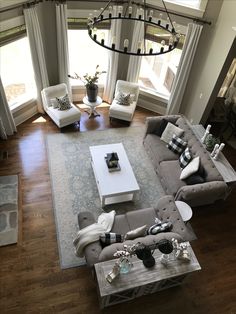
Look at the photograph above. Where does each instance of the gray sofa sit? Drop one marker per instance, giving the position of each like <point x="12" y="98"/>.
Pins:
<point x="167" y="166"/>
<point x="165" y="210"/>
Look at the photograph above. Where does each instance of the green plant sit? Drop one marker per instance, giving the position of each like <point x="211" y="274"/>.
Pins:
<point x="210" y="142"/>
<point x="88" y="80"/>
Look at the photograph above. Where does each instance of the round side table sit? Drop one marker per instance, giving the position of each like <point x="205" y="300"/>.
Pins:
<point x="92" y="105"/>
<point x="185" y="210"/>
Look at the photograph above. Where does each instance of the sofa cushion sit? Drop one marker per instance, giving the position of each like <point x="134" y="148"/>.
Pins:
<point x="170" y="176"/>
<point x="169" y="131"/>
<point x="120" y="224"/>
<point x="158" y="149"/>
<point x="140" y="217"/>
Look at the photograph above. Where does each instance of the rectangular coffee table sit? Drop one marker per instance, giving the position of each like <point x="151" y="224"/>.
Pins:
<point x="117" y="186"/>
<point x="141" y="280"/>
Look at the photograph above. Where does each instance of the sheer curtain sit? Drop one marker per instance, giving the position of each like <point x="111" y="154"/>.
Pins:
<point x="115" y="31"/>
<point x="37" y="52"/>
<point x="186" y="60"/>
<point x="7" y="124"/>
<point x="62" y="44"/>
<point x="135" y="62"/>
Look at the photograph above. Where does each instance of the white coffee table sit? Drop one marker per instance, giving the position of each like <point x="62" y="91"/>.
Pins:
<point x="185" y="210"/>
<point x="113" y="187"/>
<point x="92" y="105"/>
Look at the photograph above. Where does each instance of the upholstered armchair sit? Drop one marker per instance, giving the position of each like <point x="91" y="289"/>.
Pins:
<point x="60" y="117"/>
<point x="121" y="111"/>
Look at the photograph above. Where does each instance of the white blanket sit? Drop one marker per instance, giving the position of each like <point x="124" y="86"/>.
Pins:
<point x="92" y="232"/>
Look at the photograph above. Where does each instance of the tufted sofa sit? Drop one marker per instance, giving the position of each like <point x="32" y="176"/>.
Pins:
<point x="166" y="164"/>
<point x="165" y="210"/>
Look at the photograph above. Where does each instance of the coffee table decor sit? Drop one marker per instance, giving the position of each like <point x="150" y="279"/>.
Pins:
<point x="112" y="161"/>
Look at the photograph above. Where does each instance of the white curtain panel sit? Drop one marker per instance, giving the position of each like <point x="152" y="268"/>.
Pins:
<point x="7" y="124"/>
<point x="37" y="52"/>
<point x="185" y="64"/>
<point x="135" y="61"/>
<point x="62" y="44"/>
<point x="113" y="58"/>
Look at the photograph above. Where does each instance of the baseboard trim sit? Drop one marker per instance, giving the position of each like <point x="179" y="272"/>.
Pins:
<point x="152" y="107"/>
<point x="26" y="115"/>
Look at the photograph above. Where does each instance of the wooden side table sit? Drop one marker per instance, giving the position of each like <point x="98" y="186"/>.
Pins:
<point x="92" y="105"/>
<point x="141" y="280"/>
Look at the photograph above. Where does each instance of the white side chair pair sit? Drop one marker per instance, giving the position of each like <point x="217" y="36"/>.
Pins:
<point x="60" y="117"/>
<point x="120" y="111"/>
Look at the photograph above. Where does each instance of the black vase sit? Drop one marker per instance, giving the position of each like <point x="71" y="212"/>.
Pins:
<point x="92" y="92"/>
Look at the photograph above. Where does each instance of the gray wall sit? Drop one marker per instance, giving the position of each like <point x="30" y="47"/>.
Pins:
<point x="214" y="46"/>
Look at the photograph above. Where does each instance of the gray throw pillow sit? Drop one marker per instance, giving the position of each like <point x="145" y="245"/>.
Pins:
<point x="63" y="102"/>
<point x="169" y="131"/>
<point x="138" y="232"/>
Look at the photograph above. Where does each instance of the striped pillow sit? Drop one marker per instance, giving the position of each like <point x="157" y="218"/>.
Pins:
<point x="177" y="145"/>
<point x="111" y="237"/>
<point x="63" y="102"/>
<point x="185" y="158"/>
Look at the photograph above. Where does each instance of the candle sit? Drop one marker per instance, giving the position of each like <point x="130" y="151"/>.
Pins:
<point x="222" y="145"/>
<point x="150" y="13"/>
<point x="126" y="43"/>
<point x="204" y="136"/>
<point x="139" y="45"/>
<point x="215" y="150"/>
<point x="110" y="11"/>
<point x="208" y="128"/>
<point x="130" y="10"/>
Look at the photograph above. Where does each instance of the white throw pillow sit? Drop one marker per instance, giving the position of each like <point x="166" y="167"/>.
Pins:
<point x="136" y="233"/>
<point x="191" y="168"/>
<point x="54" y="103"/>
<point x="169" y="131"/>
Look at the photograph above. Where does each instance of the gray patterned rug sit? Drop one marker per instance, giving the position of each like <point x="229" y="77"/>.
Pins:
<point x="8" y="209"/>
<point x="73" y="185"/>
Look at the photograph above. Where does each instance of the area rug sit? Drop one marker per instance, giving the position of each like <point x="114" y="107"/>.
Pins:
<point x="73" y="184"/>
<point x="8" y="209"/>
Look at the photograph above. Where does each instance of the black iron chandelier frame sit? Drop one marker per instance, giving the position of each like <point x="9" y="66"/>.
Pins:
<point x="147" y="20"/>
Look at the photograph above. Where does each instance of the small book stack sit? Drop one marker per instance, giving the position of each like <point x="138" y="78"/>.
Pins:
<point x="112" y="162"/>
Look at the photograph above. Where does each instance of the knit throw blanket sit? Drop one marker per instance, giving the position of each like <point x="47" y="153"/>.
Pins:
<point x="92" y="233"/>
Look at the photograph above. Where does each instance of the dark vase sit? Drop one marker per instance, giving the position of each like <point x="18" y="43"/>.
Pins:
<point x="92" y="92"/>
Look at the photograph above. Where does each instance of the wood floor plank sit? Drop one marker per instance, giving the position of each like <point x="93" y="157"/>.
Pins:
<point x="31" y="280"/>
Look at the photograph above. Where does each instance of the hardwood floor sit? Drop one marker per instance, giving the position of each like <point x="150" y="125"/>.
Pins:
<point x="31" y="280"/>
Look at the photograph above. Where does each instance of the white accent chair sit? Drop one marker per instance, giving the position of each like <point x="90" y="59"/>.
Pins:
<point x="124" y="112"/>
<point x="60" y="117"/>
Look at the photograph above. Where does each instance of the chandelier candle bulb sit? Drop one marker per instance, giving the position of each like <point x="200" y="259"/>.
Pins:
<point x="120" y="9"/>
<point x="150" y="15"/>
<point x="102" y="38"/>
<point x="95" y="33"/>
<point x="130" y="11"/>
<point x="126" y="44"/>
<point x="110" y="11"/>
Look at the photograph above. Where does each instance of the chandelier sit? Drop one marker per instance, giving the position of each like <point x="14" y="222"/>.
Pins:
<point x="158" y="20"/>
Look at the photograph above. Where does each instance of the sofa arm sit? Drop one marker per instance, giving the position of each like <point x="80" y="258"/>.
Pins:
<point x="92" y="250"/>
<point x="167" y="210"/>
<point x="202" y="194"/>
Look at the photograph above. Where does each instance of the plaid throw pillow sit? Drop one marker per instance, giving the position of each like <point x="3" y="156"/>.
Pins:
<point x="63" y="102"/>
<point x="185" y="158"/>
<point x="123" y="99"/>
<point x="111" y="237"/>
<point x="177" y="145"/>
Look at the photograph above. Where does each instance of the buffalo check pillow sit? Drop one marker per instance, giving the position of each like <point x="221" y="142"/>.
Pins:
<point x="185" y="158"/>
<point x="111" y="237"/>
<point x="177" y="145"/>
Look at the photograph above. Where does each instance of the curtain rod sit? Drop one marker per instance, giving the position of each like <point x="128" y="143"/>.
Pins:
<point x="198" y="20"/>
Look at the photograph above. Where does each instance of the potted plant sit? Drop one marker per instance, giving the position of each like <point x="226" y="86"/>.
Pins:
<point x="90" y="83"/>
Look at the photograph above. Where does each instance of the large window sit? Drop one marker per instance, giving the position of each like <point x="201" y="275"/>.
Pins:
<point x="157" y="73"/>
<point x="17" y="72"/>
<point x="84" y="54"/>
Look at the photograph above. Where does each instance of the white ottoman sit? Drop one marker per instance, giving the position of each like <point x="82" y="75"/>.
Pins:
<point x="185" y="210"/>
